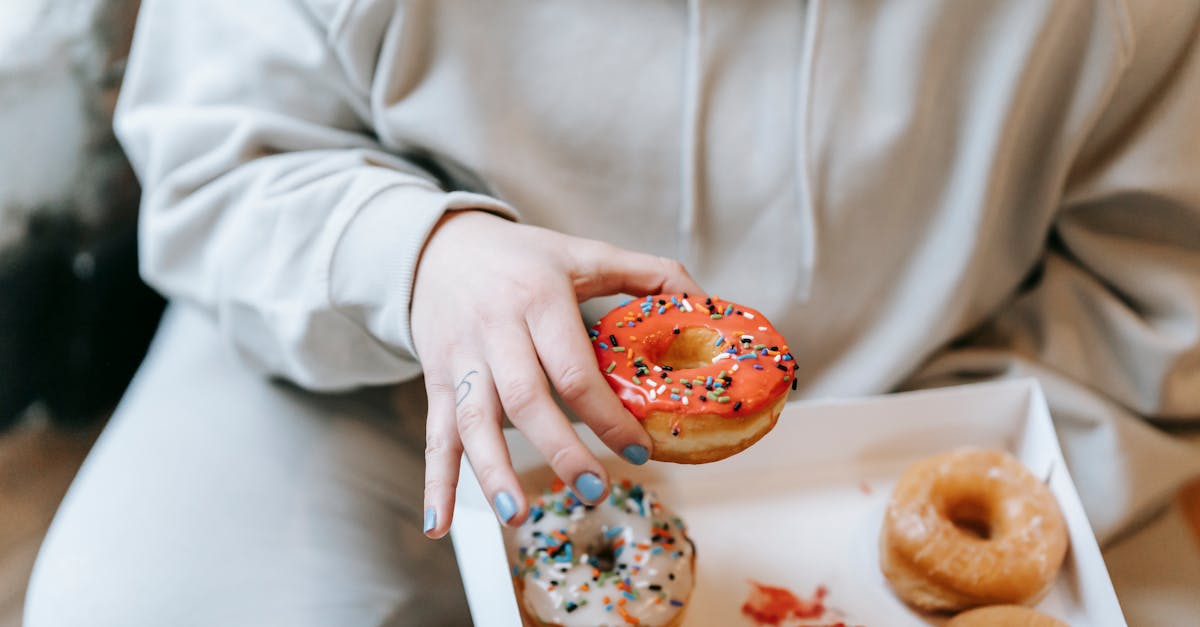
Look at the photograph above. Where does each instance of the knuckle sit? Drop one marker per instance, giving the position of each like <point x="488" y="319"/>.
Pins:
<point x="490" y="319"/>
<point x="542" y="299"/>
<point x="470" y="418"/>
<point x="436" y="385"/>
<point x="561" y="458"/>
<point x="607" y="432"/>
<point x="452" y="346"/>
<point x="520" y="396"/>
<point x="490" y="477"/>
<point x="436" y="447"/>
<point x="672" y="266"/>
<point x="527" y="285"/>
<point x="538" y="293"/>
<point x="573" y="382"/>
<point x="434" y="487"/>
<point x="604" y="249"/>
<point x="587" y="254"/>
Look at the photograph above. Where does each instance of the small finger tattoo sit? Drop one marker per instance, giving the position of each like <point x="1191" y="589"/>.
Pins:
<point x="463" y="388"/>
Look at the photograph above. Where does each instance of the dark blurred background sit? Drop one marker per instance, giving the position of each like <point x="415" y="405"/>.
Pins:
<point x="75" y="319"/>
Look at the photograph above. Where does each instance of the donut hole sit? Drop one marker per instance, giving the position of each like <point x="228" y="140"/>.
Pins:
<point x="692" y="347"/>
<point x="601" y="550"/>
<point x="605" y="557"/>
<point x="971" y="516"/>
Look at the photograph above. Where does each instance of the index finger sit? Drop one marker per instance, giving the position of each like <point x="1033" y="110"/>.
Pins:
<point x="570" y="363"/>
<point x="600" y="269"/>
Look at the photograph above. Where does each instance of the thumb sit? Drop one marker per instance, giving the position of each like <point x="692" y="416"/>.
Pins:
<point x="602" y="269"/>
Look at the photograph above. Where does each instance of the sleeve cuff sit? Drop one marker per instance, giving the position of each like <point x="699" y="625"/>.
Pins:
<point x="375" y="261"/>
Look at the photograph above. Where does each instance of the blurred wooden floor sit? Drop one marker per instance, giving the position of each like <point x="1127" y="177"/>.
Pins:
<point x="37" y="463"/>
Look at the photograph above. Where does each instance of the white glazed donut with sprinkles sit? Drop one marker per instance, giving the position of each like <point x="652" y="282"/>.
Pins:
<point x="624" y="561"/>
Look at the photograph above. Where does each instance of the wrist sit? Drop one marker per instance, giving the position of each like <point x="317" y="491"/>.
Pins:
<point x="376" y="261"/>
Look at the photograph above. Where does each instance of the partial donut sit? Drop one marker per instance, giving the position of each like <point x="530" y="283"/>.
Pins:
<point x="1004" y="616"/>
<point x="971" y="527"/>
<point x="706" y="379"/>
<point x="626" y="560"/>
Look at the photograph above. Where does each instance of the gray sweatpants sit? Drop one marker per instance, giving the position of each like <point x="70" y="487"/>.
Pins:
<point x="215" y="497"/>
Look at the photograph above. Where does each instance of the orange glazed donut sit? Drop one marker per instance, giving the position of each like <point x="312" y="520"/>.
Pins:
<point x="971" y="527"/>
<point x="1004" y="616"/>
<point x="706" y="379"/>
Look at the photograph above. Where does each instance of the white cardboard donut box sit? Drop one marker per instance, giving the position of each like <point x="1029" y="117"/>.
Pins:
<point x="802" y="508"/>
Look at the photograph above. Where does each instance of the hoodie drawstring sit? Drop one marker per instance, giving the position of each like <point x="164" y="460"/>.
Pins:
<point x="689" y="155"/>
<point x="806" y="213"/>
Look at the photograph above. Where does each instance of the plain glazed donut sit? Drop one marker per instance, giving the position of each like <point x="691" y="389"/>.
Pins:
<point x="706" y="379"/>
<point x="627" y="560"/>
<point x="971" y="527"/>
<point x="1004" y="616"/>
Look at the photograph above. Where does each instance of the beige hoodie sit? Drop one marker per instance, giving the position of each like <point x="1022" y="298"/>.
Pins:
<point x="976" y="188"/>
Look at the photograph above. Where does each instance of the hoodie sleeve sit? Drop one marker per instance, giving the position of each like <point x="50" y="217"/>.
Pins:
<point x="1117" y="305"/>
<point x="267" y="199"/>
<point x="1111" y="322"/>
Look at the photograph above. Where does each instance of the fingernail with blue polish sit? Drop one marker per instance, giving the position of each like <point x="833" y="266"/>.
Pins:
<point x="506" y="507"/>
<point x="636" y="454"/>
<point x="430" y="519"/>
<point x="589" y="487"/>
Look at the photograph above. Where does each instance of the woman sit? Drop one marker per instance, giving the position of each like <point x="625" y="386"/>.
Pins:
<point x="356" y="191"/>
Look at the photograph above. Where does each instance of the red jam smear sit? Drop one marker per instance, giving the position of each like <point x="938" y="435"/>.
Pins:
<point x="771" y="605"/>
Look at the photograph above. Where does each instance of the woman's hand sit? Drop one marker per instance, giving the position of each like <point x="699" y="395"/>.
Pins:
<point x="495" y="318"/>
